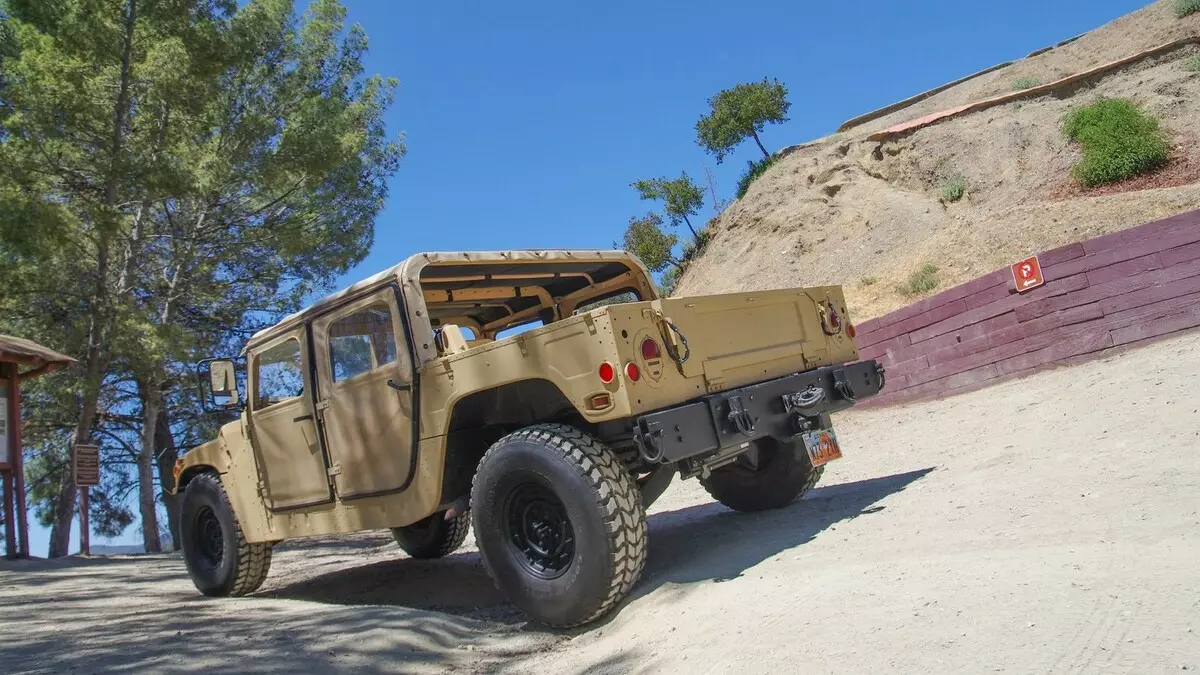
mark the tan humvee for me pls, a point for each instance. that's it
(399, 403)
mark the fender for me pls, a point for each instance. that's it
(211, 456)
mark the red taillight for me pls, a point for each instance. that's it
(633, 372)
(607, 372)
(850, 331)
(650, 349)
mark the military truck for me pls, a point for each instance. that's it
(542, 398)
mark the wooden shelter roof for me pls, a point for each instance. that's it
(28, 353)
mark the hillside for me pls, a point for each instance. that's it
(866, 214)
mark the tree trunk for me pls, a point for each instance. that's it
(760, 145)
(151, 405)
(94, 363)
(689, 224)
(167, 455)
(94, 367)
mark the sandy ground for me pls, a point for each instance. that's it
(866, 215)
(1045, 525)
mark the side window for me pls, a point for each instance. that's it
(278, 374)
(361, 342)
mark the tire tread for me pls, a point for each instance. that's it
(253, 560)
(614, 490)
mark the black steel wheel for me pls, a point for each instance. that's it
(219, 559)
(771, 476)
(559, 523)
(210, 538)
(538, 526)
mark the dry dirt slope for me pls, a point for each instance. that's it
(846, 209)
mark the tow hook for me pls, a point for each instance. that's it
(842, 386)
(796, 403)
(648, 438)
(811, 396)
(739, 417)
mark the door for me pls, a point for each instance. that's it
(365, 396)
(288, 451)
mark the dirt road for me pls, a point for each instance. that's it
(1047, 525)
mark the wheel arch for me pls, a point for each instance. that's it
(482, 417)
(191, 472)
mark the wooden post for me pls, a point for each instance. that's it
(84, 543)
(10, 525)
(6, 477)
(17, 459)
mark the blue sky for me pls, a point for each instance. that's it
(527, 121)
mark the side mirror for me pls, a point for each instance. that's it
(222, 379)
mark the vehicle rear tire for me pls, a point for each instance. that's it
(782, 475)
(559, 523)
(219, 559)
(433, 537)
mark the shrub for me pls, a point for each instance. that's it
(695, 247)
(868, 281)
(1192, 64)
(954, 188)
(1119, 141)
(1185, 7)
(667, 282)
(921, 281)
(1023, 83)
(753, 171)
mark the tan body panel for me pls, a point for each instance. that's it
(566, 353)
(231, 456)
(735, 339)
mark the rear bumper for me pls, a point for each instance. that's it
(779, 408)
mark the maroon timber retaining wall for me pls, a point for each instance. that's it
(1120, 289)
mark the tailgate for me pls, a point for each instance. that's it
(739, 338)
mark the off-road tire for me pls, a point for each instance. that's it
(433, 537)
(783, 475)
(241, 567)
(600, 501)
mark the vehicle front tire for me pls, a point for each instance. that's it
(559, 523)
(781, 475)
(433, 537)
(219, 559)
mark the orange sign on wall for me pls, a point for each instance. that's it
(1027, 274)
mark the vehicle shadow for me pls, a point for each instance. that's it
(456, 584)
(709, 542)
(706, 542)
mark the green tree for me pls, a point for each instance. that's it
(171, 174)
(681, 197)
(668, 281)
(645, 238)
(740, 113)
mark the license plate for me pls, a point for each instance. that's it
(822, 446)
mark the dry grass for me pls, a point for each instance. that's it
(1023, 83)
(920, 282)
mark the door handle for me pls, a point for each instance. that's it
(399, 386)
(302, 418)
